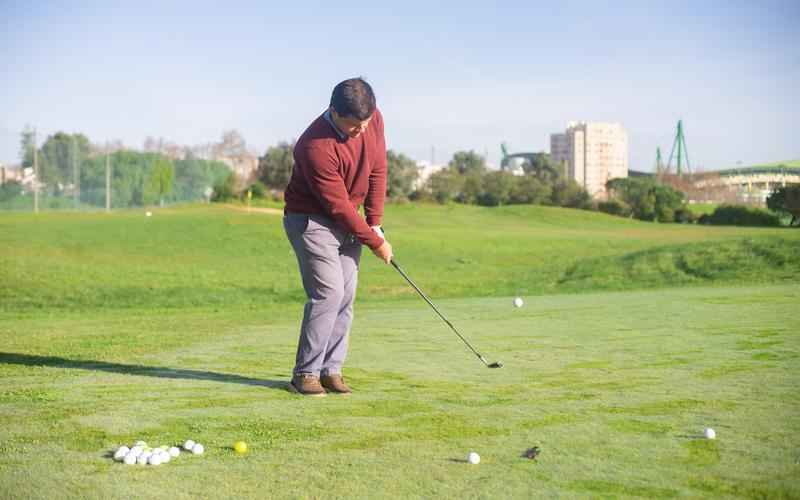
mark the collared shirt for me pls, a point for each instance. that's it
(329, 119)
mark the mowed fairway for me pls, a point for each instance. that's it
(118, 328)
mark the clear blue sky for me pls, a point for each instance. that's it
(449, 75)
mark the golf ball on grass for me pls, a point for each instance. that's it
(240, 447)
(709, 433)
(518, 302)
(155, 459)
(120, 454)
(474, 458)
(198, 449)
(130, 459)
(188, 445)
(174, 451)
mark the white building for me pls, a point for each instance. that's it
(424, 171)
(592, 154)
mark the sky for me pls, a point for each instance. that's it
(449, 76)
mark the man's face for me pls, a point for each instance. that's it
(351, 126)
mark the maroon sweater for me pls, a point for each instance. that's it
(334, 176)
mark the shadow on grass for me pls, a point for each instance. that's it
(10, 358)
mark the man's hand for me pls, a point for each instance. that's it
(384, 252)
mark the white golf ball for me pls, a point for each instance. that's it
(188, 445)
(143, 458)
(148, 214)
(198, 449)
(709, 433)
(129, 459)
(174, 451)
(155, 459)
(518, 302)
(136, 451)
(120, 453)
(165, 457)
(474, 458)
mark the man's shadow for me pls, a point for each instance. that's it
(11, 358)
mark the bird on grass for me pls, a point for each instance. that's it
(532, 453)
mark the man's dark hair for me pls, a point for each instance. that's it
(353, 98)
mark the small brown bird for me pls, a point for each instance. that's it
(532, 453)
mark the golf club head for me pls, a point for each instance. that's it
(496, 364)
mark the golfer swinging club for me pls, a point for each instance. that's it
(340, 163)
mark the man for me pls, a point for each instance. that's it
(340, 163)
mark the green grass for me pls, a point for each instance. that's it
(119, 327)
(211, 257)
(702, 208)
(615, 388)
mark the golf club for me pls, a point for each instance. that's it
(496, 364)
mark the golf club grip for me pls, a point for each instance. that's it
(421, 294)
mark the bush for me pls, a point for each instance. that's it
(739, 215)
(685, 216)
(258, 189)
(615, 207)
(225, 190)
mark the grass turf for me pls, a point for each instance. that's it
(615, 388)
(118, 328)
(214, 257)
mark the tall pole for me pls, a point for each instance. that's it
(75, 179)
(108, 179)
(35, 176)
(680, 145)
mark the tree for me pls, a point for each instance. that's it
(445, 185)
(26, 146)
(275, 167)
(647, 199)
(467, 162)
(786, 200)
(497, 188)
(402, 174)
(471, 188)
(543, 167)
(529, 189)
(59, 155)
(568, 193)
(225, 189)
(159, 181)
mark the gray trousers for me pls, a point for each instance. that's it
(328, 258)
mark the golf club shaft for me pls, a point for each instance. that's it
(404, 275)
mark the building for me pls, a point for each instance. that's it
(751, 185)
(592, 154)
(424, 171)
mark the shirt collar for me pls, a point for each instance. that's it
(329, 119)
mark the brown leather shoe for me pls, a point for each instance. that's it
(335, 383)
(307, 385)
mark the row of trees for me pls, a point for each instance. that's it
(68, 165)
(466, 179)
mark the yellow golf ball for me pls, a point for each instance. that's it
(240, 447)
